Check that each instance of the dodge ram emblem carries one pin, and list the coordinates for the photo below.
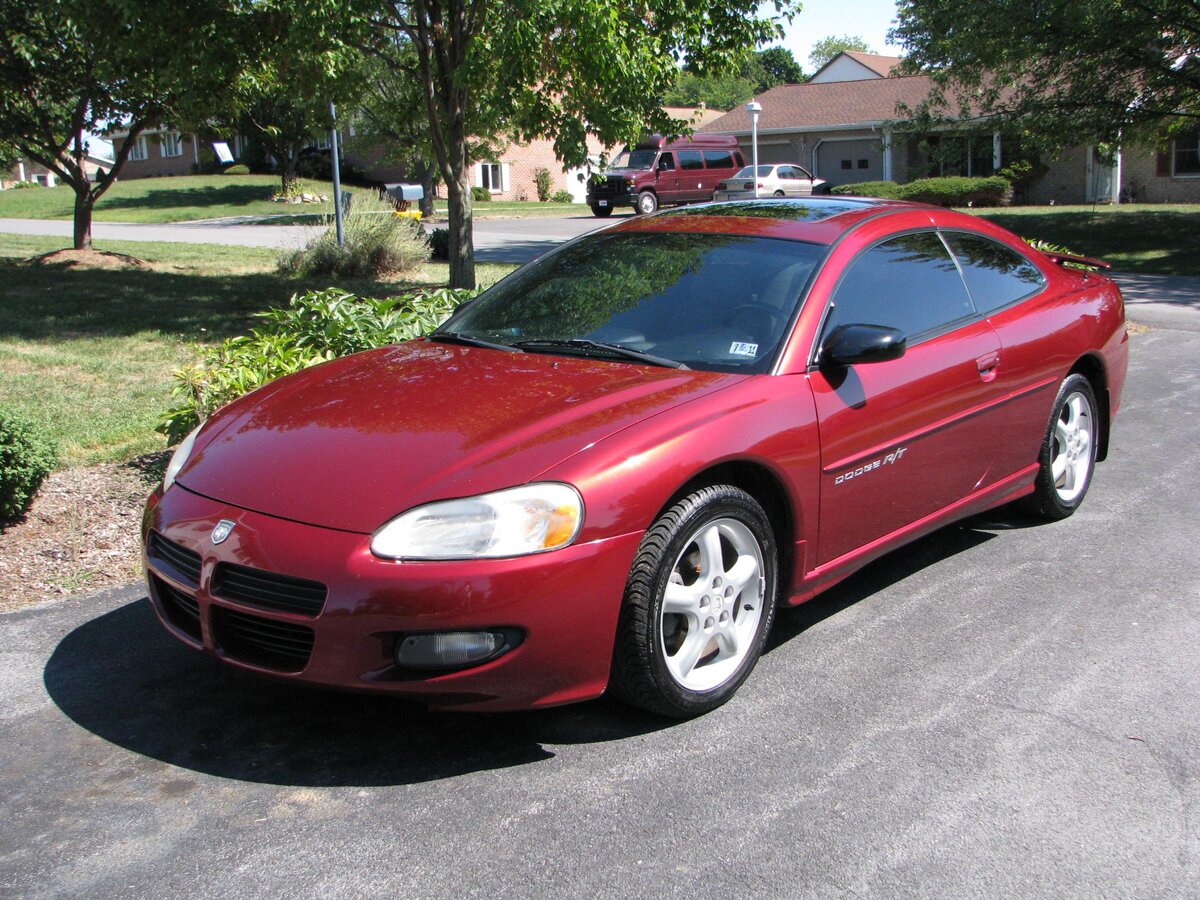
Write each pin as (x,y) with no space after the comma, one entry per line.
(222,530)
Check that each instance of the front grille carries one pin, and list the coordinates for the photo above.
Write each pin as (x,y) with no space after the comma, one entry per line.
(268,590)
(178,561)
(611,186)
(181,609)
(262,642)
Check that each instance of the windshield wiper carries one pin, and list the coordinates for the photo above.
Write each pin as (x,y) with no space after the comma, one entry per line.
(587,347)
(457,337)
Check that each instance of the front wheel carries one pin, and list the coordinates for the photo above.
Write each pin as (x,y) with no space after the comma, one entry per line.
(1068,453)
(698,605)
(646,203)
(602,212)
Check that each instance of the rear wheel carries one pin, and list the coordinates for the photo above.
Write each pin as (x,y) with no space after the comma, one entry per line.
(646,203)
(602,212)
(698,605)
(1068,454)
(778,194)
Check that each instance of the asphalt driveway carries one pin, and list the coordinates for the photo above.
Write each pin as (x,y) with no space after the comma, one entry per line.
(1003,709)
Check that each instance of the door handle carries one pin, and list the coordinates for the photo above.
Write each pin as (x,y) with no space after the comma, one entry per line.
(988,363)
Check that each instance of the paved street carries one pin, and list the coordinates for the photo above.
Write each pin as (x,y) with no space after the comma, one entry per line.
(1001,710)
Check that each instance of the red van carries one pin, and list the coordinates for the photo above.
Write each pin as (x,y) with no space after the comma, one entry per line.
(656,172)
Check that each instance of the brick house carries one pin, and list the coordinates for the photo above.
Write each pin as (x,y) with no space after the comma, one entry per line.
(512,175)
(841,125)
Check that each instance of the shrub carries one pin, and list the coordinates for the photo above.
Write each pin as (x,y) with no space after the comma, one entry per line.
(563,197)
(238,169)
(950,191)
(957,191)
(543,182)
(439,243)
(377,243)
(312,328)
(887,190)
(481,195)
(27,456)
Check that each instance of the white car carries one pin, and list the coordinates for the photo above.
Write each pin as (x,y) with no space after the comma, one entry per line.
(777,180)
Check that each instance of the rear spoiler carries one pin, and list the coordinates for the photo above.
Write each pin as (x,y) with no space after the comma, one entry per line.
(1070,259)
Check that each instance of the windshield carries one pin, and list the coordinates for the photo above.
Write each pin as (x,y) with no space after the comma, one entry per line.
(638,159)
(748,172)
(709,301)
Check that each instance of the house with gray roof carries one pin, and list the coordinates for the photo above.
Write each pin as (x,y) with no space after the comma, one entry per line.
(842,125)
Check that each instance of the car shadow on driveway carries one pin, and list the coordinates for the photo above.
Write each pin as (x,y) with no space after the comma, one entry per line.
(121,677)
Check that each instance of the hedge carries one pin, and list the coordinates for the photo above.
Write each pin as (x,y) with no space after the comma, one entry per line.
(951,191)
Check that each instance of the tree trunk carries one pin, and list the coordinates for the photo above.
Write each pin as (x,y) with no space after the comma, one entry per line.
(462,246)
(84,201)
(424,173)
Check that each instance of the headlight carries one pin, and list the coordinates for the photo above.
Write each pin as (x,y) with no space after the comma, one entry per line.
(180,457)
(519,521)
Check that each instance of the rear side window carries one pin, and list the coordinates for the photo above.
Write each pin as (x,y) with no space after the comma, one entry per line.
(996,275)
(718,159)
(909,282)
(690,159)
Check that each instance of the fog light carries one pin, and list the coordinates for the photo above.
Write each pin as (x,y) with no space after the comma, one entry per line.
(449,649)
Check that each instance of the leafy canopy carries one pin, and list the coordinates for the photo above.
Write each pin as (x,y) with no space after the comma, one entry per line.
(827,48)
(1060,73)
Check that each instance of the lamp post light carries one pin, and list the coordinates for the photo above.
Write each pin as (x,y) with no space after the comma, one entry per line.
(754,109)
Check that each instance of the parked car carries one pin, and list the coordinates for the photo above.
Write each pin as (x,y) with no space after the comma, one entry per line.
(775,180)
(657,172)
(606,472)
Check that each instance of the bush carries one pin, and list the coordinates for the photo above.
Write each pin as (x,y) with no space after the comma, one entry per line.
(377,243)
(481,195)
(563,197)
(887,190)
(439,243)
(313,328)
(957,191)
(543,182)
(27,456)
(238,169)
(951,191)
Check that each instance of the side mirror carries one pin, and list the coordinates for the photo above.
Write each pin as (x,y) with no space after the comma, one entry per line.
(848,345)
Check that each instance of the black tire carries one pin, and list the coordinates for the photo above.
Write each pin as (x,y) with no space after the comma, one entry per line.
(602,212)
(642,661)
(1075,413)
(778,194)
(647,203)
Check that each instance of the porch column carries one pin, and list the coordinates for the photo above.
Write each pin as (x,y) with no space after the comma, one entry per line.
(887,154)
(1118,176)
(996,154)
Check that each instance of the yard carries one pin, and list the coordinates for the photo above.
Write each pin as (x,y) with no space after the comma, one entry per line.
(193,197)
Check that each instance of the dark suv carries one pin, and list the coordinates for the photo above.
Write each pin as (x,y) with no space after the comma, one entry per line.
(657,172)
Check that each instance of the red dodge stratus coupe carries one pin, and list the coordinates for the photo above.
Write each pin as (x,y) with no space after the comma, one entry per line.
(608,470)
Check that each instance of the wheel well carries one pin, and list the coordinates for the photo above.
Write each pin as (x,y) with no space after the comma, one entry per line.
(763,485)
(1093,370)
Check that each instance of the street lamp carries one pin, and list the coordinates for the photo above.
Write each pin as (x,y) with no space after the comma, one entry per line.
(754,109)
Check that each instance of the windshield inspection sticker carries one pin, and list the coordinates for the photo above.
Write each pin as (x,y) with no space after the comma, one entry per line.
(737,348)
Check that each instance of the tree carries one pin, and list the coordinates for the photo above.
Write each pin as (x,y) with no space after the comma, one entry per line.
(827,48)
(714,91)
(562,69)
(1059,74)
(69,67)
(281,97)
(772,67)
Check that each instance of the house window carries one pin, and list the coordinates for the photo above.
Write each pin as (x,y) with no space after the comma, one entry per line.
(1187,154)
(172,144)
(325,143)
(138,151)
(491,176)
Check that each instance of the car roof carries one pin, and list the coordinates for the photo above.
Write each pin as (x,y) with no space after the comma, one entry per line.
(820,220)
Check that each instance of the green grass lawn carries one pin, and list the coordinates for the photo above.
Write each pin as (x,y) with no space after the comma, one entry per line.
(189,197)
(90,353)
(1162,240)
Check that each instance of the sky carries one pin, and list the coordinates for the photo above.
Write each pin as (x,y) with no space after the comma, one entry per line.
(819,19)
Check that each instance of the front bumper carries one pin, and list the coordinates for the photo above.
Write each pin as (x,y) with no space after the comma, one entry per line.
(564,603)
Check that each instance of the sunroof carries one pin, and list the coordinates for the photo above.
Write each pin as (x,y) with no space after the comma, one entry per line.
(806,210)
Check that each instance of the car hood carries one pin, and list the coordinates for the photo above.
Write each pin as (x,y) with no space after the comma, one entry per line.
(353,443)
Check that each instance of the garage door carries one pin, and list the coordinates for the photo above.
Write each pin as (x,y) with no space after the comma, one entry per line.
(848,162)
